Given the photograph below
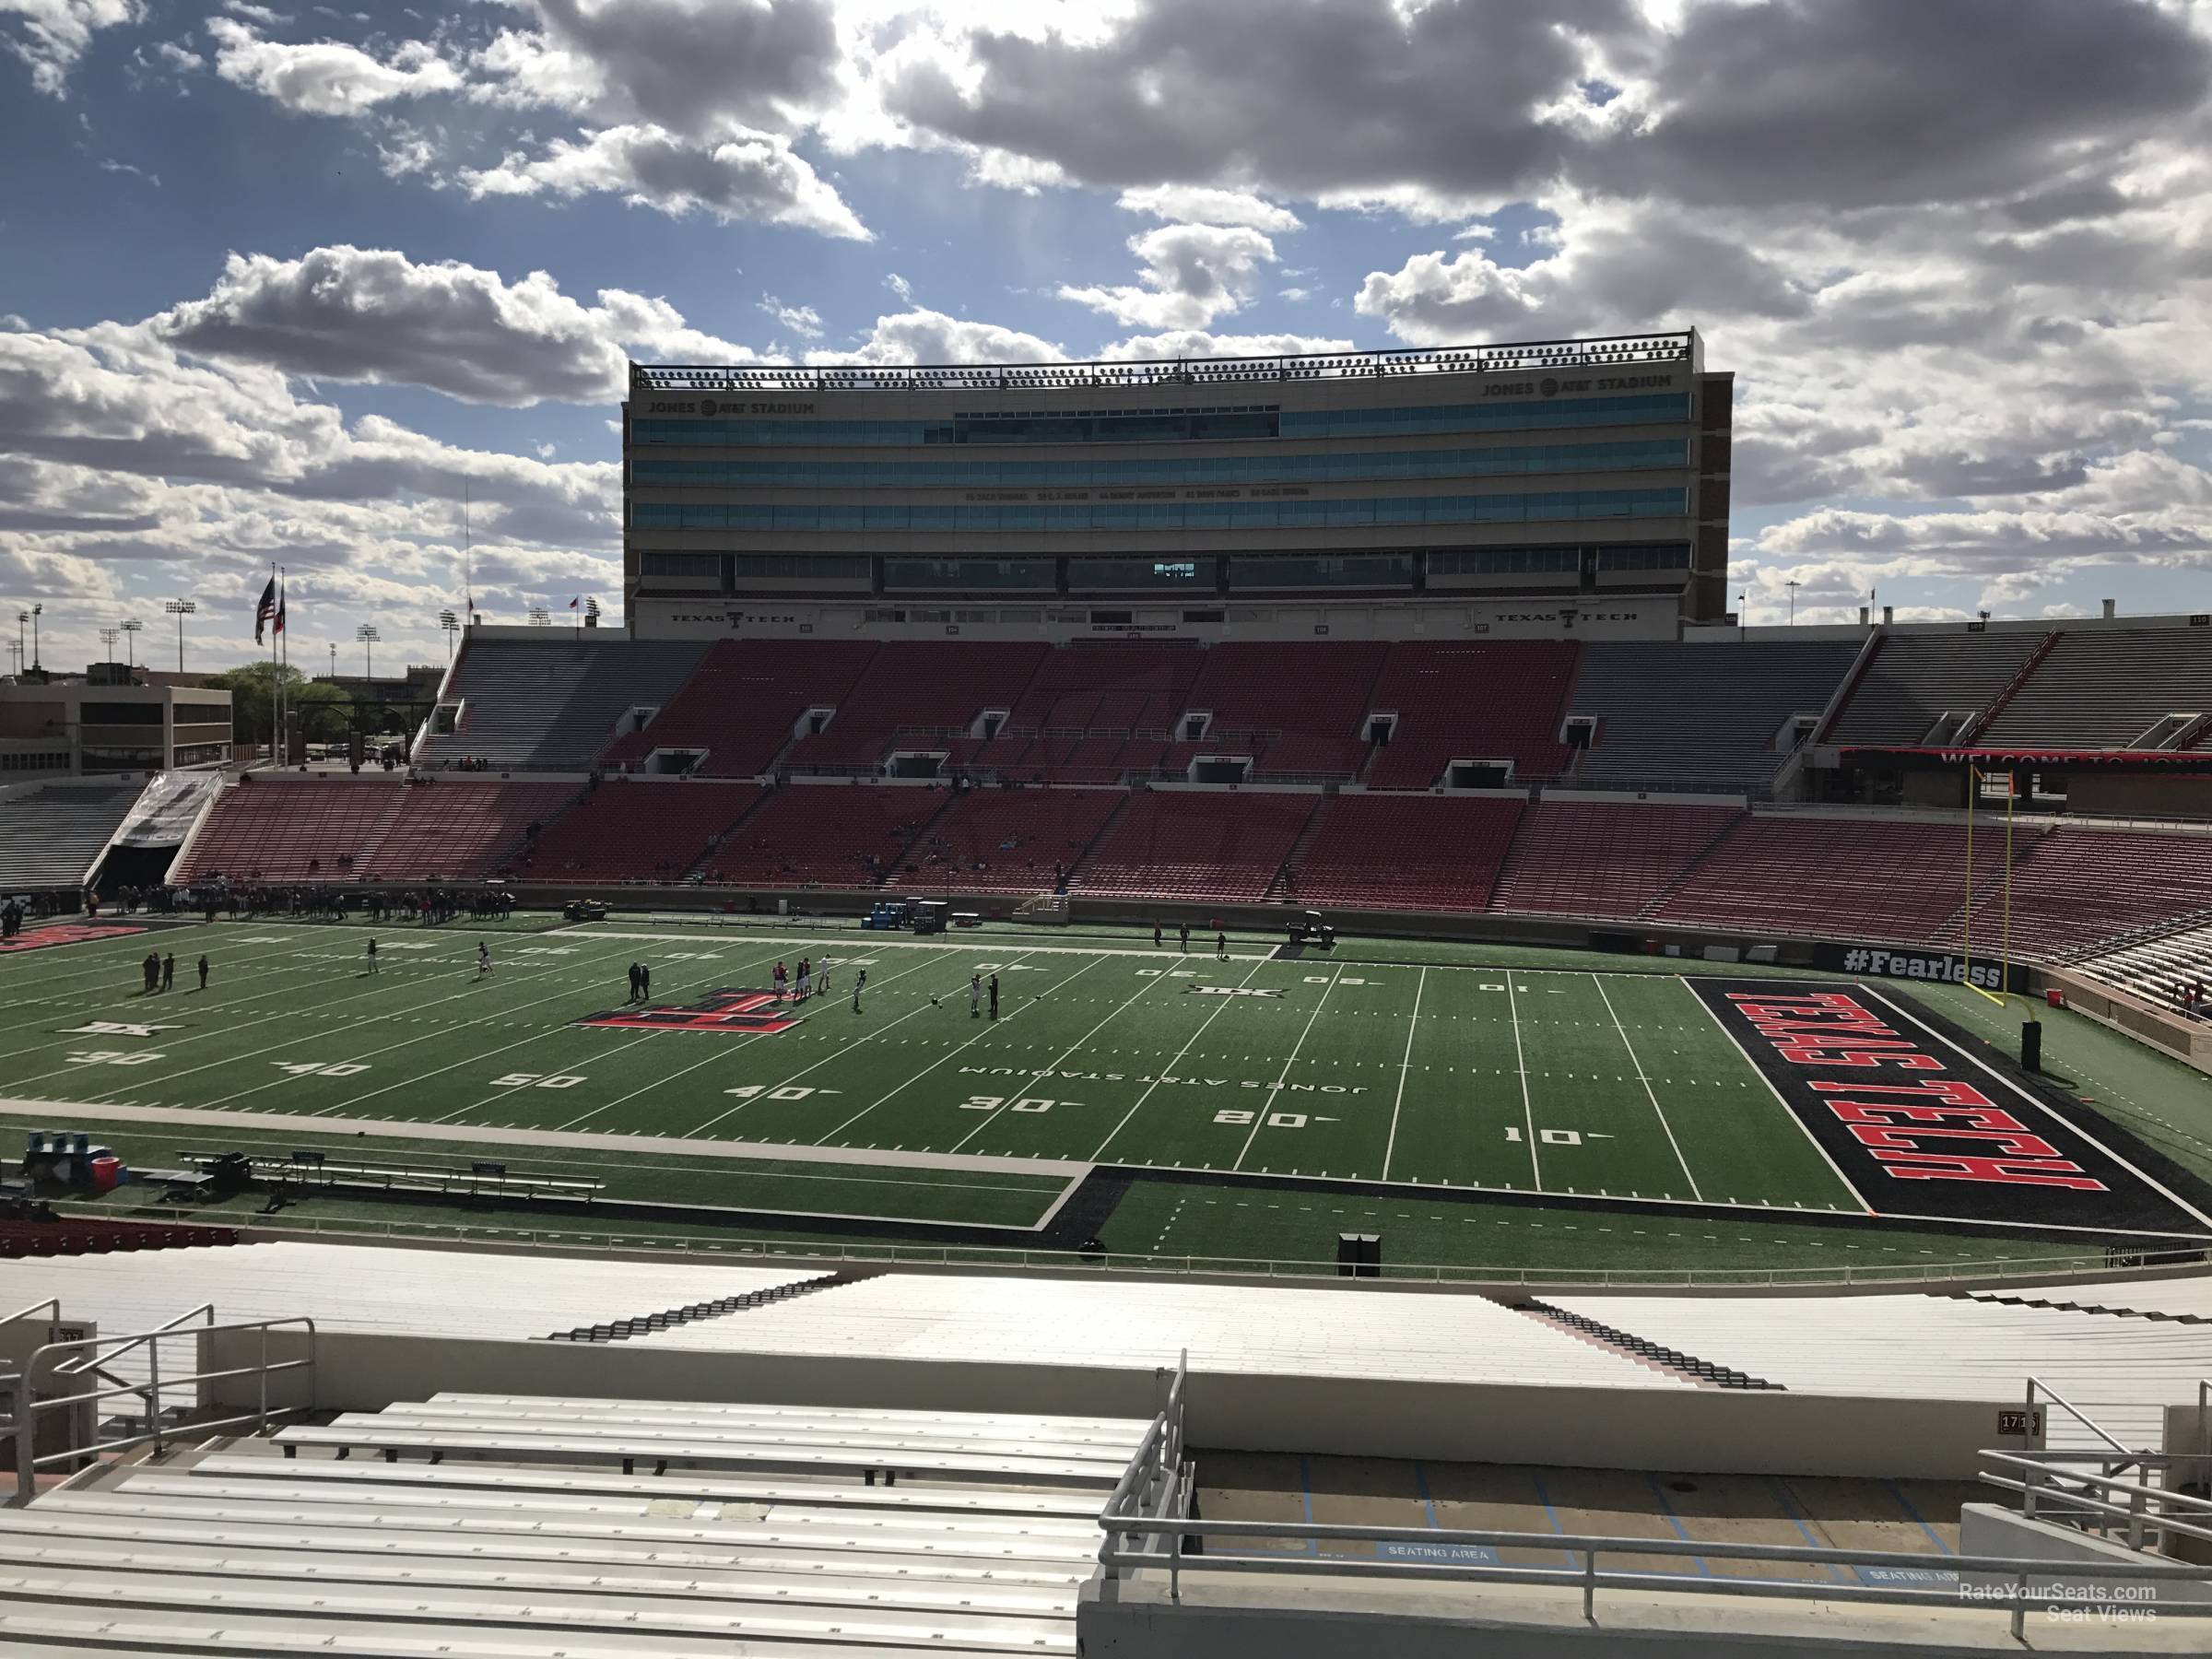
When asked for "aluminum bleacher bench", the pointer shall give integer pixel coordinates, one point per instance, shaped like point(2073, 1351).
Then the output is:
point(1079, 1510)
point(769, 1451)
point(1115, 1435)
point(387, 1177)
point(821, 1429)
point(365, 1519)
point(456, 1611)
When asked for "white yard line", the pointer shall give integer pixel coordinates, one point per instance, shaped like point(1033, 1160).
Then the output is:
point(1075, 1048)
point(316, 1036)
point(1012, 1016)
point(1690, 991)
point(1528, 1110)
point(1649, 1093)
point(1260, 1117)
point(537, 1036)
point(137, 1008)
point(1168, 1070)
point(362, 1025)
point(740, 1047)
point(1412, 1025)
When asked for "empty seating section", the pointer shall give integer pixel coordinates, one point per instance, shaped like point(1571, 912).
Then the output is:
point(450, 828)
point(1700, 716)
point(551, 704)
point(745, 703)
point(1932, 1347)
point(2071, 887)
point(1847, 877)
point(292, 829)
point(1577, 858)
point(831, 835)
point(929, 690)
point(634, 831)
point(74, 1235)
point(1472, 700)
point(2157, 969)
point(1405, 851)
point(1120, 689)
point(50, 833)
point(2112, 688)
point(1226, 1328)
point(1007, 839)
point(1915, 680)
point(1092, 714)
point(1197, 844)
point(1306, 698)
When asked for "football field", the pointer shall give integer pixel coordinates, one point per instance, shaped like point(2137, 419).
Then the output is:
point(1410, 1066)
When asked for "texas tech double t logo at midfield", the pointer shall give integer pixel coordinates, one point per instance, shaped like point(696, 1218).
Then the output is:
point(741, 1011)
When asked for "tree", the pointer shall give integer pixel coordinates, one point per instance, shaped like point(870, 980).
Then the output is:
point(251, 688)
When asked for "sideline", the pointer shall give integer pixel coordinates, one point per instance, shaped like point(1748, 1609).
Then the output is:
point(573, 1140)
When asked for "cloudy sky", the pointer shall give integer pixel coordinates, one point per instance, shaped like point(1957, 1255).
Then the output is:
point(284, 281)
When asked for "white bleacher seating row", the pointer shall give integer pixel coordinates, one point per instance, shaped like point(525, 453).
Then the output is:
point(369, 1287)
point(1225, 1328)
point(51, 834)
point(503, 1525)
point(1933, 1347)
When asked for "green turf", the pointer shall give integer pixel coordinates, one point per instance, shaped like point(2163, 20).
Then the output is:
point(1427, 1064)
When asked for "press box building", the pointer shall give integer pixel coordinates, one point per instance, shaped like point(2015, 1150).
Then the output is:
point(1558, 487)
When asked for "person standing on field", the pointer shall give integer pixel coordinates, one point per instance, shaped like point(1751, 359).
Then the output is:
point(203, 973)
point(995, 997)
point(372, 953)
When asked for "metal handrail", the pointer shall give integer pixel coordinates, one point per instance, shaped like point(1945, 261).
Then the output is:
point(168, 1328)
point(2036, 1385)
point(2014, 1595)
point(52, 1306)
point(2078, 1493)
point(24, 1422)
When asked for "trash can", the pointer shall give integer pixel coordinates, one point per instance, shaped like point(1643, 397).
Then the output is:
point(2054, 996)
point(107, 1173)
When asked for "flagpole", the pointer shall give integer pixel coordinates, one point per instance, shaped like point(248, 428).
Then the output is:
point(284, 653)
point(273, 759)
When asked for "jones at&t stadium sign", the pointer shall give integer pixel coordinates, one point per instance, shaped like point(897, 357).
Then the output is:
point(711, 406)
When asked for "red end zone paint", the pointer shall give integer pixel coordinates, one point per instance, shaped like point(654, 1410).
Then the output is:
point(756, 1012)
point(1916, 1125)
point(64, 933)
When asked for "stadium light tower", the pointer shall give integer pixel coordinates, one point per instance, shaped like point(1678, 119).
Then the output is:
point(366, 633)
point(1793, 585)
point(451, 624)
point(180, 609)
point(131, 627)
point(36, 612)
point(107, 638)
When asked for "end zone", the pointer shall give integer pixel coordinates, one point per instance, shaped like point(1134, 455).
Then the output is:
point(1926, 1122)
